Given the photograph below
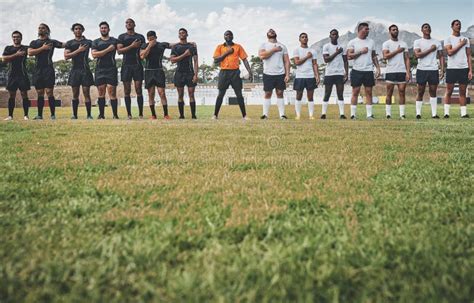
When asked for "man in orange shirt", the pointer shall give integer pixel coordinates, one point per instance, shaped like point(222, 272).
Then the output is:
point(228, 55)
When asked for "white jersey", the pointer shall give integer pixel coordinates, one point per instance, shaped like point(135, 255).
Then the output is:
point(459, 60)
point(305, 70)
point(336, 66)
point(275, 65)
point(395, 64)
point(428, 62)
point(363, 63)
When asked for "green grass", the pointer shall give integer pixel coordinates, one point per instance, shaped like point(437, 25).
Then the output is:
point(188, 211)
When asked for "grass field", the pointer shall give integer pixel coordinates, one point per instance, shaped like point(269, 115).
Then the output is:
point(188, 211)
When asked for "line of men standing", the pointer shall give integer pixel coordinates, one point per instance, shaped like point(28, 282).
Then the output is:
point(276, 70)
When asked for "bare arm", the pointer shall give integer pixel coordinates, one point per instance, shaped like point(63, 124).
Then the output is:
point(328, 58)
point(248, 68)
point(407, 66)
point(376, 63)
point(68, 54)
point(469, 62)
point(316, 70)
point(36, 51)
point(389, 55)
point(9, 58)
point(100, 54)
point(346, 66)
point(441, 63)
point(145, 52)
point(265, 54)
point(286, 60)
point(121, 49)
point(419, 54)
point(176, 59)
point(352, 54)
point(221, 58)
point(300, 61)
point(451, 51)
point(196, 68)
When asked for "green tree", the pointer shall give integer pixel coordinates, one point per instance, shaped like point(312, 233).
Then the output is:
point(257, 67)
point(62, 68)
point(206, 72)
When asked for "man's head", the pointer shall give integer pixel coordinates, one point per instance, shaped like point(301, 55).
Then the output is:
point(456, 26)
point(304, 38)
point(182, 34)
point(43, 30)
point(271, 34)
point(228, 36)
point(151, 35)
point(104, 29)
point(363, 30)
point(130, 24)
point(393, 30)
point(77, 29)
point(334, 35)
point(17, 37)
point(426, 29)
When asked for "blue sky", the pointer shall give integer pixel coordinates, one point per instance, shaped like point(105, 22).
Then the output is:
point(207, 20)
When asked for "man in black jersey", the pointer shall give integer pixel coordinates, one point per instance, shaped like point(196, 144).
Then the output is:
point(44, 75)
point(132, 69)
point(103, 49)
point(16, 55)
point(77, 49)
point(185, 55)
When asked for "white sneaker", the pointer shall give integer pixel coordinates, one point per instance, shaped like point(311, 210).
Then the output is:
point(9, 118)
point(26, 118)
point(214, 117)
point(246, 118)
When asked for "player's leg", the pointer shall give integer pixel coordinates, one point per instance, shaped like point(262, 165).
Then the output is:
point(86, 91)
point(151, 101)
point(26, 104)
point(102, 89)
point(340, 99)
point(112, 92)
point(127, 91)
point(164, 102)
point(192, 101)
point(388, 100)
point(447, 99)
point(402, 96)
point(463, 100)
point(11, 104)
point(75, 101)
point(181, 101)
point(433, 88)
point(281, 103)
point(298, 103)
point(369, 98)
point(139, 91)
point(354, 100)
point(419, 99)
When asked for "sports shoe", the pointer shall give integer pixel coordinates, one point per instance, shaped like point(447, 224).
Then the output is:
point(446, 117)
point(214, 117)
point(167, 117)
point(283, 117)
point(100, 117)
point(402, 117)
point(73, 117)
point(435, 117)
point(26, 118)
point(370, 118)
point(264, 117)
point(342, 117)
point(194, 117)
point(116, 118)
point(465, 117)
point(90, 118)
point(38, 118)
point(246, 118)
point(140, 117)
point(182, 117)
point(153, 118)
point(9, 118)
point(129, 117)
point(323, 117)
point(418, 117)
point(353, 118)
point(53, 117)
point(389, 117)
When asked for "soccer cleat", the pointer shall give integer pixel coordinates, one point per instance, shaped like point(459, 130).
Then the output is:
point(153, 117)
point(465, 117)
point(283, 117)
point(194, 117)
point(53, 117)
point(264, 117)
point(311, 118)
point(435, 117)
point(73, 117)
point(323, 117)
point(389, 117)
point(26, 118)
point(342, 117)
point(140, 117)
point(402, 117)
point(182, 117)
point(167, 117)
point(38, 118)
point(370, 118)
point(446, 117)
point(418, 117)
point(298, 117)
point(246, 118)
point(214, 117)
point(9, 118)
point(116, 118)
point(129, 117)
point(353, 118)
point(90, 118)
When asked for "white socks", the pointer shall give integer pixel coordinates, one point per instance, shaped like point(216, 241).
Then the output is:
point(325, 108)
point(340, 103)
point(298, 107)
point(281, 106)
point(402, 110)
point(369, 110)
point(419, 104)
point(463, 111)
point(434, 106)
point(353, 110)
point(446, 109)
point(266, 106)
point(311, 108)
point(388, 110)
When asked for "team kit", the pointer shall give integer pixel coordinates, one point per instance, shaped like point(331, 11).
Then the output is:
point(142, 62)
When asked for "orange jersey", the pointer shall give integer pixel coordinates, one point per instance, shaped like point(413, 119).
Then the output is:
point(232, 60)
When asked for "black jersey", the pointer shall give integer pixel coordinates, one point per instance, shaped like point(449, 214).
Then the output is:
point(16, 67)
point(108, 60)
point(81, 61)
point(45, 58)
point(132, 57)
point(185, 65)
point(155, 57)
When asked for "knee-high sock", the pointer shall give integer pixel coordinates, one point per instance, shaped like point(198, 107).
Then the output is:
point(281, 106)
point(26, 106)
point(181, 109)
point(353, 110)
point(217, 108)
point(52, 105)
point(402, 110)
point(11, 106)
point(242, 106)
point(128, 105)
point(192, 104)
point(368, 108)
point(325, 108)
point(114, 104)
point(463, 111)
point(140, 105)
point(101, 103)
point(75, 106)
point(88, 108)
point(266, 106)
point(298, 104)
point(388, 109)
point(40, 106)
point(311, 108)
point(152, 109)
point(434, 106)
point(165, 110)
point(419, 105)
point(340, 103)
point(446, 109)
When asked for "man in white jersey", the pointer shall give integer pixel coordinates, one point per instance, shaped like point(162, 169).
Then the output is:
point(307, 75)
point(362, 51)
point(459, 69)
point(398, 69)
point(337, 69)
point(428, 50)
point(276, 72)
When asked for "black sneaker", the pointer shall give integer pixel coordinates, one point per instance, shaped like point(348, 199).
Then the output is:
point(446, 117)
point(264, 117)
point(402, 117)
point(353, 117)
point(418, 117)
point(435, 117)
point(100, 117)
point(116, 118)
point(73, 117)
point(129, 117)
point(38, 118)
point(389, 117)
point(342, 117)
point(465, 117)
point(90, 118)
point(323, 117)
point(283, 117)
point(194, 117)
point(181, 117)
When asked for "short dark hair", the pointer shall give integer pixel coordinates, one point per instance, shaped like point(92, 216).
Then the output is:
point(361, 25)
point(423, 25)
point(131, 20)
point(183, 29)
point(454, 21)
point(303, 34)
point(104, 23)
point(77, 24)
point(334, 30)
point(392, 26)
point(17, 33)
point(151, 34)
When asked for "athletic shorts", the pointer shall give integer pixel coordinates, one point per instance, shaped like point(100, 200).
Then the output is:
point(359, 78)
point(304, 83)
point(80, 77)
point(131, 72)
point(155, 77)
point(182, 79)
point(271, 82)
point(396, 78)
point(106, 76)
point(229, 77)
point(427, 76)
point(334, 80)
point(457, 76)
point(20, 82)
point(44, 77)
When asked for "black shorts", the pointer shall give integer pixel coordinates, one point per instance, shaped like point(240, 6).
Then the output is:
point(334, 80)
point(229, 77)
point(359, 78)
point(457, 76)
point(182, 79)
point(396, 78)
point(271, 82)
point(106, 76)
point(427, 76)
point(155, 77)
point(301, 83)
point(131, 72)
point(80, 77)
point(20, 82)
point(44, 77)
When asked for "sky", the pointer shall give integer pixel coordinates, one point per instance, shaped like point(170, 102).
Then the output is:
point(207, 20)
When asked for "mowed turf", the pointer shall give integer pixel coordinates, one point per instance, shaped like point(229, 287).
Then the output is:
point(188, 211)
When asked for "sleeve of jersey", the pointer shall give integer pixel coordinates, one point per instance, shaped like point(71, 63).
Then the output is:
point(415, 45)
point(6, 51)
point(242, 53)
point(285, 50)
point(94, 44)
point(440, 47)
point(119, 40)
point(194, 51)
point(350, 45)
point(57, 44)
point(217, 52)
point(33, 44)
point(144, 45)
point(385, 46)
point(174, 52)
point(325, 50)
